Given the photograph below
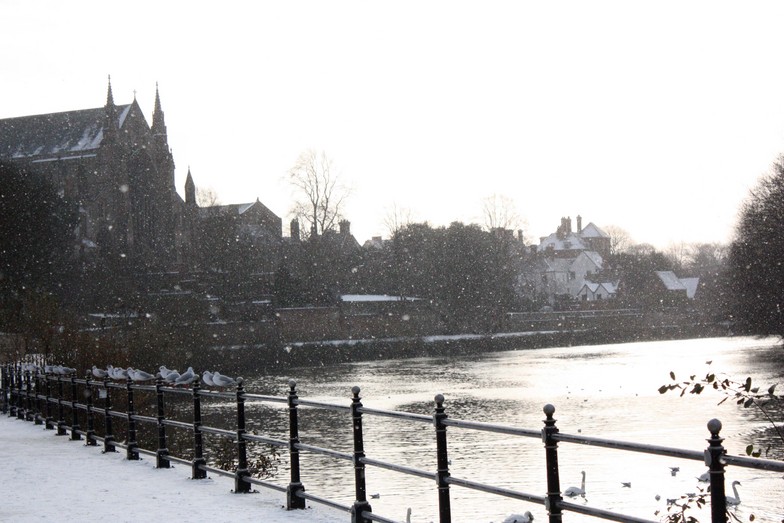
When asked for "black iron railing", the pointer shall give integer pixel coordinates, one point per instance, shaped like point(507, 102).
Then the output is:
point(33, 395)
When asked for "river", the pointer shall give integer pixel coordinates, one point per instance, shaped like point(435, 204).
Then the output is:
point(604, 391)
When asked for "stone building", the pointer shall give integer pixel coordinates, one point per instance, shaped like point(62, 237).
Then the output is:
point(120, 171)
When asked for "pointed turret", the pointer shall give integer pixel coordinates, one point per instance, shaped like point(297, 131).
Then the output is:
point(158, 124)
point(110, 112)
point(190, 190)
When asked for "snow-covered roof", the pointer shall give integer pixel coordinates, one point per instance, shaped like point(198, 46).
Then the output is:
point(571, 241)
point(670, 281)
point(592, 231)
point(55, 134)
point(691, 285)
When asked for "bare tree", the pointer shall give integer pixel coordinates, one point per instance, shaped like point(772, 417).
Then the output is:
point(206, 197)
point(620, 239)
point(500, 212)
point(320, 192)
point(397, 218)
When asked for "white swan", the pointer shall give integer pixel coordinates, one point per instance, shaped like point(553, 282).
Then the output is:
point(575, 491)
point(736, 500)
point(520, 518)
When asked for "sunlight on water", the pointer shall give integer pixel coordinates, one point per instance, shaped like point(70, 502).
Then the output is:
point(605, 391)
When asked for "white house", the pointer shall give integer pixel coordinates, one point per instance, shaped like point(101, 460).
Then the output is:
point(597, 291)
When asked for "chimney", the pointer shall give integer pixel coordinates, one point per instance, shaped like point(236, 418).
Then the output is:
point(520, 235)
point(579, 223)
point(294, 228)
point(569, 225)
point(345, 227)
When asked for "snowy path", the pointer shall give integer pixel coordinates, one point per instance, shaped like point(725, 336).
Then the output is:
point(51, 478)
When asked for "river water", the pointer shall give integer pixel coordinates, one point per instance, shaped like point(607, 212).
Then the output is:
point(603, 391)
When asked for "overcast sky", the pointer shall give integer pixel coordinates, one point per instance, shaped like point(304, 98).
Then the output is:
point(657, 117)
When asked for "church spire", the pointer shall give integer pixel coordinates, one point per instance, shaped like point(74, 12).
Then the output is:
point(158, 124)
point(109, 96)
point(110, 114)
point(190, 189)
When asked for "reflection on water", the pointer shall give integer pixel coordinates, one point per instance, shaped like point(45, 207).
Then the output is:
point(606, 391)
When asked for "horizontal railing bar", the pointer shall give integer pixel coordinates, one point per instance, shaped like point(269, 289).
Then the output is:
point(317, 499)
point(148, 388)
point(397, 414)
point(117, 413)
point(491, 427)
point(754, 463)
point(146, 452)
point(178, 424)
point(330, 406)
point(263, 439)
point(326, 452)
point(376, 517)
point(177, 390)
point(262, 397)
point(474, 485)
point(176, 459)
point(218, 394)
point(221, 432)
point(601, 513)
point(265, 484)
point(398, 468)
point(148, 419)
point(218, 471)
point(633, 447)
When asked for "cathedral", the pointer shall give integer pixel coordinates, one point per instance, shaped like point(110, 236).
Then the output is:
point(120, 171)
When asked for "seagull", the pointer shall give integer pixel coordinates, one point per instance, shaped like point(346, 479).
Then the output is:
point(575, 491)
point(736, 500)
point(99, 373)
point(704, 477)
point(375, 496)
point(520, 518)
point(187, 377)
point(139, 375)
point(627, 484)
point(171, 377)
point(207, 378)
point(222, 381)
point(163, 371)
point(120, 374)
point(674, 470)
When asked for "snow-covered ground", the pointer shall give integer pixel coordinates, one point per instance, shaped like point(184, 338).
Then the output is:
point(51, 478)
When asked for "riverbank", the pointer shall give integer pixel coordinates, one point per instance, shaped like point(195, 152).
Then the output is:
point(327, 352)
point(39, 468)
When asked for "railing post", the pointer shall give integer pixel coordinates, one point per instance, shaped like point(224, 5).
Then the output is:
point(75, 428)
point(293, 501)
point(361, 503)
point(9, 373)
point(4, 380)
point(108, 438)
point(240, 485)
point(60, 408)
point(38, 416)
point(714, 459)
point(160, 455)
point(90, 435)
point(553, 501)
point(442, 461)
point(20, 399)
point(49, 424)
point(29, 411)
point(198, 440)
point(131, 452)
